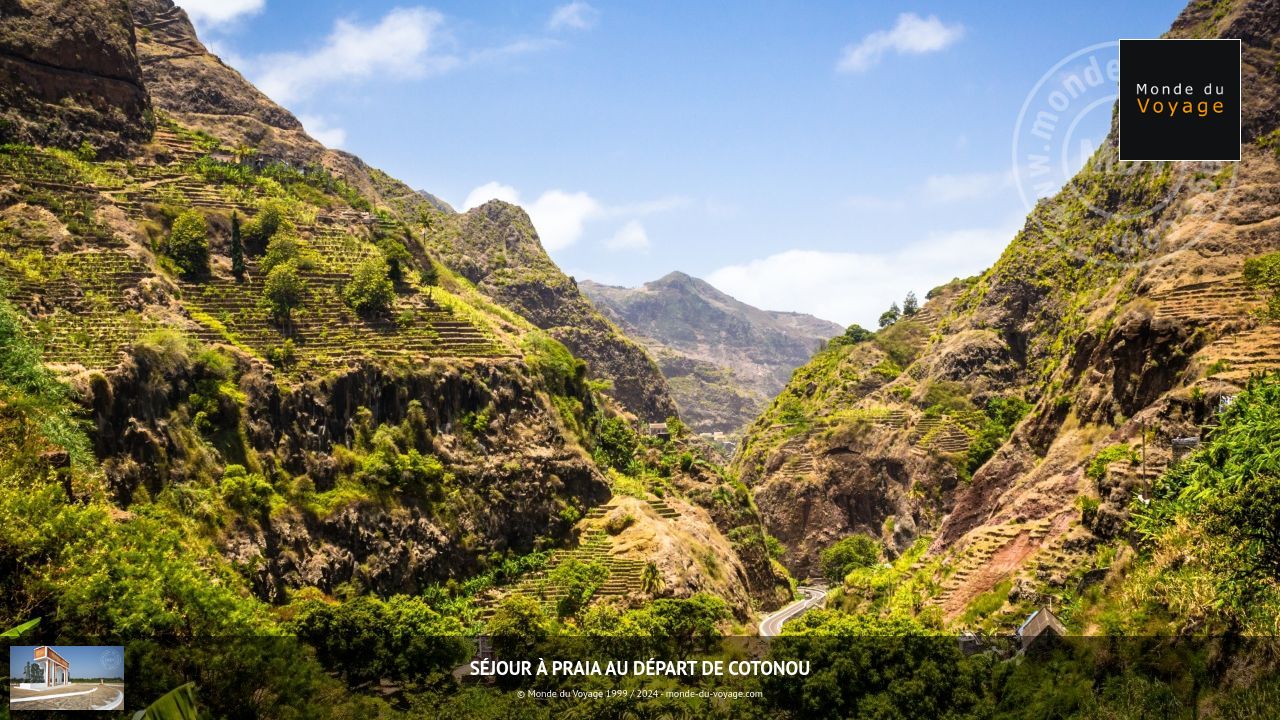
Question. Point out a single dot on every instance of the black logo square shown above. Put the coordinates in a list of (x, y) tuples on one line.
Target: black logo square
[(1179, 100)]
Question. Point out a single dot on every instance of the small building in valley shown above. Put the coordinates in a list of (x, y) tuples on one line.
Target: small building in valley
[(1040, 625)]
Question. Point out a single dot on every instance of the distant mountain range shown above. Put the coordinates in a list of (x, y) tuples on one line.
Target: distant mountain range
[(723, 358)]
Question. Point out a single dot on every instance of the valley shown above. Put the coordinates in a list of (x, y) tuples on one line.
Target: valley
[(306, 441)]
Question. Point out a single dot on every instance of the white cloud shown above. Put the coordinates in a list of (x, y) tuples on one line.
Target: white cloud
[(209, 13), (631, 236), (574, 15), (491, 191), (320, 129), (558, 216), (851, 287), (911, 35), (401, 44)]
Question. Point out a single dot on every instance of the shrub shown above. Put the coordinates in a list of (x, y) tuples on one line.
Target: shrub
[(1002, 415), (1263, 273), (188, 244), (429, 274), (263, 227), (284, 354), (86, 151), (1097, 468), (287, 247), (396, 255), (248, 493), (284, 289), (615, 443), (849, 554), (579, 580), (853, 335), (370, 289)]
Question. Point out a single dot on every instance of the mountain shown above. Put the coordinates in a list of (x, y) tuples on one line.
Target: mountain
[(245, 378), (724, 359), (201, 92), (1005, 431)]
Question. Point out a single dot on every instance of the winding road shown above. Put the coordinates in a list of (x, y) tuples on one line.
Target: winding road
[(812, 596)]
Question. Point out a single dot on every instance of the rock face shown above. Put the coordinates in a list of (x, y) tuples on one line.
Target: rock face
[(201, 91), (342, 450), (1107, 350), (723, 358), (514, 476), (69, 74), (496, 247)]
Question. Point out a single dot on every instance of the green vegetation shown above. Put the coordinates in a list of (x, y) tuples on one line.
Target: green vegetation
[(848, 554), (284, 289), (852, 335), (1263, 273), (579, 581), (1217, 506), (1002, 414), (1096, 470), (366, 639), (188, 244), (250, 493), (237, 248), (370, 290), (890, 316)]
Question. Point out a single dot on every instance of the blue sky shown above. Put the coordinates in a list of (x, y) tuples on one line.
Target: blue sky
[(821, 157), (86, 661)]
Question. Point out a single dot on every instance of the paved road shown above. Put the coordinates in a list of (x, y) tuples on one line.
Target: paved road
[(811, 596)]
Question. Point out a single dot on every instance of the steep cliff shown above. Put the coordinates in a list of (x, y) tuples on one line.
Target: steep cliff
[(268, 347), (724, 359), (69, 74), (496, 247), (1014, 418)]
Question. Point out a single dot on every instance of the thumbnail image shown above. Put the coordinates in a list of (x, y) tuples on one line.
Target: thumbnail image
[(66, 677)]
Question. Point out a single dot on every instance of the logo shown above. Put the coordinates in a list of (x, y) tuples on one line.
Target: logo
[(1179, 100), (1066, 128)]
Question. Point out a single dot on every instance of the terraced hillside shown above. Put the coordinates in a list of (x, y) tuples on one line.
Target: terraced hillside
[(95, 287), (1015, 418)]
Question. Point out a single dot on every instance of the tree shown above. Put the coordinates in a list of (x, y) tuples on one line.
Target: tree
[(853, 335), (396, 255), (651, 579), (890, 316), (1263, 273), (853, 552), (910, 306), (579, 581), (370, 289), (284, 289), (188, 244), (517, 625), (237, 248), (263, 227), (428, 274), (283, 247)]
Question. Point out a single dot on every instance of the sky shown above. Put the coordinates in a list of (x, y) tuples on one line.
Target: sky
[(86, 661), (821, 157)]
